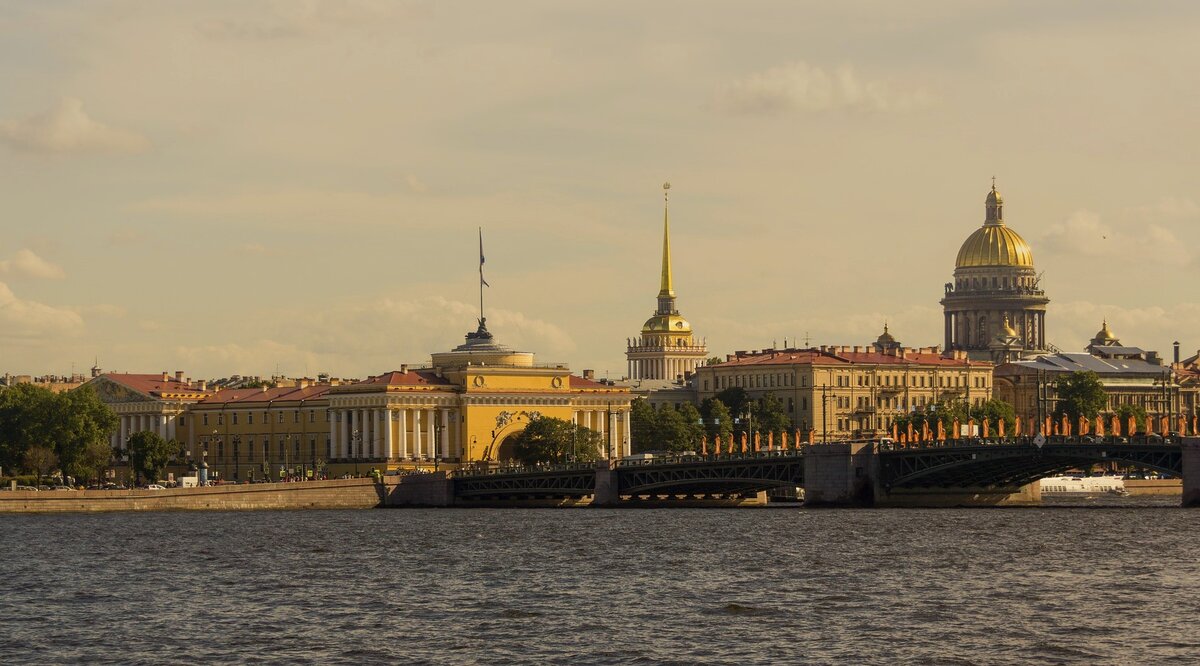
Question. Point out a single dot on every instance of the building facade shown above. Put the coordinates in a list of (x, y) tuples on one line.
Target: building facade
[(464, 407), (1130, 376), (995, 308), (850, 392), (667, 349)]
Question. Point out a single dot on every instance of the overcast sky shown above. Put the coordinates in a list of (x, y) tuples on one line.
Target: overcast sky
[(245, 187)]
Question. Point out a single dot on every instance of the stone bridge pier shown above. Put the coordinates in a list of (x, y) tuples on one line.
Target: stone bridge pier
[(1191, 471)]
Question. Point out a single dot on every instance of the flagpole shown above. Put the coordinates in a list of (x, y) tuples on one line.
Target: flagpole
[(481, 281)]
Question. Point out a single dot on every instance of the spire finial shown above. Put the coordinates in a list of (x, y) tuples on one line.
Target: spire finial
[(993, 183)]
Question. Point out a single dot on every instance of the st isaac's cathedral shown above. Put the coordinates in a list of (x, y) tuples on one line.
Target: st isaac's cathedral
[(995, 309)]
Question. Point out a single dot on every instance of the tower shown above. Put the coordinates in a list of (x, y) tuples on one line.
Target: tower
[(666, 348), (995, 305)]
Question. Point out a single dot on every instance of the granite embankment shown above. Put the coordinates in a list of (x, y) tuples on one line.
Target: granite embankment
[(328, 494), (1139, 487)]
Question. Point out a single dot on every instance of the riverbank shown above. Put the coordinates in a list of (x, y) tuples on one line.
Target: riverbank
[(1142, 487), (326, 494)]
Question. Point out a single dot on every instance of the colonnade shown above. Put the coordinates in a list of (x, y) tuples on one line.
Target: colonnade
[(418, 433), (161, 424), (613, 428), (661, 368)]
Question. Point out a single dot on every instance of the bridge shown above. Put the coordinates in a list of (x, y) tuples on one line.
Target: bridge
[(865, 473)]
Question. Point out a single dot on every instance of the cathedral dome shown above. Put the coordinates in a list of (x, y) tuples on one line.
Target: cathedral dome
[(994, 244)]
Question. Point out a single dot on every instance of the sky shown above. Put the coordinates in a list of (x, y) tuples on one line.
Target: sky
[(297, 187)]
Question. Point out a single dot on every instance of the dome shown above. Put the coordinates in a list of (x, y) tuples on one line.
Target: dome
[(994, 245), (666, 323), (1008, 330), (1105, 334)]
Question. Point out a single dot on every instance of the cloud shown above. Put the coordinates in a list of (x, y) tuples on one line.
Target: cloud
[(256, 249), (67, 129), (252, 357), (415, 184), (102, 310), (1150, 327), (27, 321), (799, 86), (1084, 233), (25, 263)]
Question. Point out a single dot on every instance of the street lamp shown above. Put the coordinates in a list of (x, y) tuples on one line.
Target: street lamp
[(356, 437)]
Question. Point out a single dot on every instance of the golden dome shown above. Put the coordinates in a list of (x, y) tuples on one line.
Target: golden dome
[(1105, 334), (1009, 331), (661, 323), (994, 245)]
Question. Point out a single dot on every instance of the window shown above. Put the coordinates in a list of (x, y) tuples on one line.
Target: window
[(206, 419), (182, 423), (249, 418), (312, 418), (296, 416), (281, 417), (220, 419), (235, 418)]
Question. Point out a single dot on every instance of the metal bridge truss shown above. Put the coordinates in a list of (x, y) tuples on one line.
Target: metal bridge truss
[(993, 466), (533, 485), (734, 476)]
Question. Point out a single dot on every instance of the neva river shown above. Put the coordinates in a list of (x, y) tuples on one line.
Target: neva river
[(1068, 584)]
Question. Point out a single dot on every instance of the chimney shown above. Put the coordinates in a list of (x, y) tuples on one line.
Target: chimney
[(202, 384), (1176, 352), (179, 375), (166, 376), (589, 374), (404, 368)]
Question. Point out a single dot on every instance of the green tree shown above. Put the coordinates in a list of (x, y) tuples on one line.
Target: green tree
[(39, 460), (735, 399), (551, 440), (717, 421), (1136, 411), (24, 410), (150, 454), (770, 416), (643, 426), (994, 411), (1080, 394), (674, 431), (693, 425), (714, 360), (80, 426)]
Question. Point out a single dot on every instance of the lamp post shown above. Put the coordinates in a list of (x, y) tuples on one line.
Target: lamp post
[(237, 462), (356, 437), (218, 441)]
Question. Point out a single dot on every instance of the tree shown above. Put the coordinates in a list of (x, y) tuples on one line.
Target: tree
[(40, 460), (24, 409), (80, 426), (717, 420), (643, 426), (550, 440), (693, 428), (994, 411), (769, 416), (1136, 411), (149, 453), (1080, 394), (714, 360), (674, 431), (735, 399)]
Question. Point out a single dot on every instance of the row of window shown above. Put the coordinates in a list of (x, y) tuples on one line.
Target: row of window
[(266, 417)]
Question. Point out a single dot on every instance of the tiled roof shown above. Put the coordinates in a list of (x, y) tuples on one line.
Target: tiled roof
[(154, 385), (1077, 361), (410, 378), (265, 395)]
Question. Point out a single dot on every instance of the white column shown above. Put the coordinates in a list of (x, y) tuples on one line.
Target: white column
[(344, 444), (333, 434), (124, 430), (387, 434), (355, 427), (403, 428), (445, 443), (611, 441), (628, 437), (416, 434), (431, 440), (368, 432)]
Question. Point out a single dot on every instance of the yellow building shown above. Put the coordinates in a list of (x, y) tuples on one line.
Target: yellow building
[(850, 392), (465, 406), (667, 349)]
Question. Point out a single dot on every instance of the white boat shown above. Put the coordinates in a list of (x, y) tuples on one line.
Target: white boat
[(1076, 484)]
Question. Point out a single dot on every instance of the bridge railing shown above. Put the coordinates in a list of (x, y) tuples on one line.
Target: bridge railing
[(520, 469), (697, 457), (1083, 440)]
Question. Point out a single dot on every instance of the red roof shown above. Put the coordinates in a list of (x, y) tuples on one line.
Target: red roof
[(410, 378), (154, 385), (584, 383)]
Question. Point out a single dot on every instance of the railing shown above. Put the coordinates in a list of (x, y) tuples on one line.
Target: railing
[(520, 469), (696, 457), (1082, 440)]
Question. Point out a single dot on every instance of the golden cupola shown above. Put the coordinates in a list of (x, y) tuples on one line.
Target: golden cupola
[(994, 244)]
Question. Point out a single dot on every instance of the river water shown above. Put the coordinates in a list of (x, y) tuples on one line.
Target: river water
[(1078, 583)]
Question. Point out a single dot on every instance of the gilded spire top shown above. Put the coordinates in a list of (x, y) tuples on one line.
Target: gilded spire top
[(666, 289)]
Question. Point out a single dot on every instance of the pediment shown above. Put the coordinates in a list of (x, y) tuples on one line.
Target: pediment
[(114, 392)]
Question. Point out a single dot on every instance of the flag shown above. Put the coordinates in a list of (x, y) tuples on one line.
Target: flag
[(481, 280)]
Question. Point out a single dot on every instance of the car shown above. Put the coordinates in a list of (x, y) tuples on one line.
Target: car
[(30, 488), (156, 486)]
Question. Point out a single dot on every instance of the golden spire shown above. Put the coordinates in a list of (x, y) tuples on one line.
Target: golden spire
[(665, 288)]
